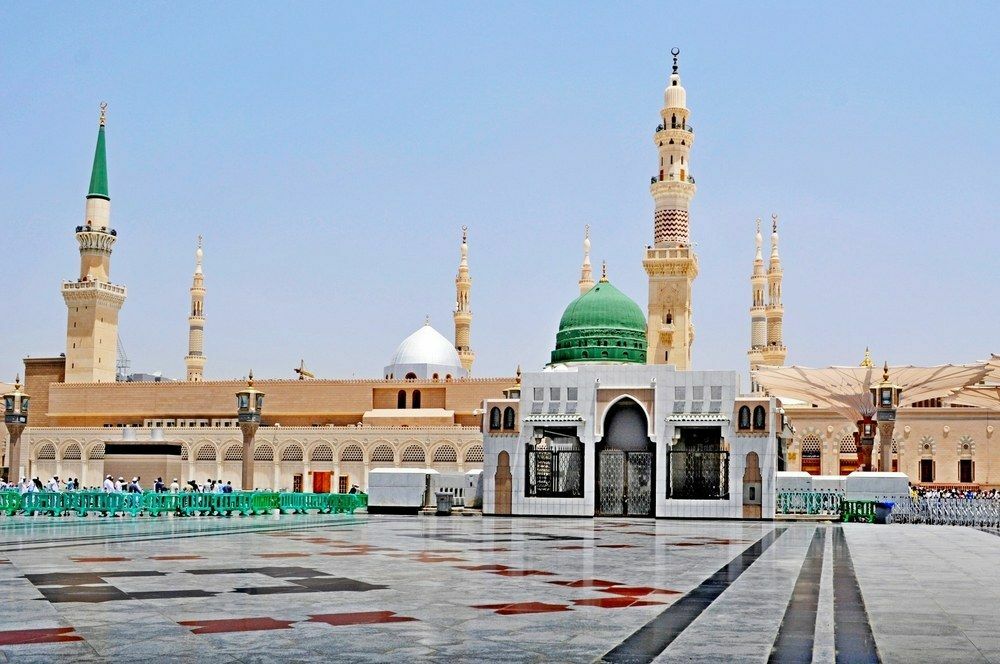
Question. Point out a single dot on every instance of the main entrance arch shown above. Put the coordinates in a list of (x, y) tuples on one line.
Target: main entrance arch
[(625, 462)]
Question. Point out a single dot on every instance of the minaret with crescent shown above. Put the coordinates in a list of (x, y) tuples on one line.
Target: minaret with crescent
[(92, 301), (670, 262), (195, 359), (463, 312)]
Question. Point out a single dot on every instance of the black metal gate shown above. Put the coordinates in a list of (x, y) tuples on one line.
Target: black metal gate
[(625, 483)]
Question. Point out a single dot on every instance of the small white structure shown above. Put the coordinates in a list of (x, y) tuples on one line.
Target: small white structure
[(425, 355), (888, 487), (399, 489)]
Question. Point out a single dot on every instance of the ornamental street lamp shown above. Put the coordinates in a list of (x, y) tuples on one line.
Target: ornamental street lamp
[(15, 417), (865, 439), (249, 403), (885, 396)]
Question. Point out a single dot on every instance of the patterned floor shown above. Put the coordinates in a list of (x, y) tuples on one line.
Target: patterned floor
[(366, 588)]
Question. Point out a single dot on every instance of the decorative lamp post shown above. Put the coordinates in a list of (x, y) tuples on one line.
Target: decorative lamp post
[(886, 398), (249, 403), (15, 416)]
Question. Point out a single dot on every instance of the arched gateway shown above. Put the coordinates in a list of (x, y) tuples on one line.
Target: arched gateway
[(625, 463)]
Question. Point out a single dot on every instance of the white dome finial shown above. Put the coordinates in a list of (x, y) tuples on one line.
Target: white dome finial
[(759, 241), (198, 255)]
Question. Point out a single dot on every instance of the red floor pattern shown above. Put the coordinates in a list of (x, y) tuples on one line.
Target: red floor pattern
[(587, 583), (235, 625), (359, 618), (20, 637), (176, 557), (282, 555), (638, 591), (614, 602), (105, 559), (518, 608)]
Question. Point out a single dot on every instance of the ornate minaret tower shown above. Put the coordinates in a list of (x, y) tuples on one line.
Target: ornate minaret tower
[(775, 351), (758, 322), (93, 302), (671, 262), (463, 314), (586, 276), (195, 359)]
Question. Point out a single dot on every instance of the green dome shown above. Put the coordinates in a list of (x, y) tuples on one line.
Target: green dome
[(602, 325)]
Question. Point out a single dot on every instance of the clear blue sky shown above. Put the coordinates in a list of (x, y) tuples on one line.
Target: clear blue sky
[(330, 153)]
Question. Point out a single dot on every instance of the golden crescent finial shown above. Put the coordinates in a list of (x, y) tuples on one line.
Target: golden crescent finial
[(250, 379), (104, 112), (465, 233)]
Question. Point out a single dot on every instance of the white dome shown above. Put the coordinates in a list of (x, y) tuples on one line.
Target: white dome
[(426, 351)]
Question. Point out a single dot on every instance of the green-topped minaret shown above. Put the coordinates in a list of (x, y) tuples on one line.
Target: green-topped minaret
[(93, 302), (602, 325), (99, 173)]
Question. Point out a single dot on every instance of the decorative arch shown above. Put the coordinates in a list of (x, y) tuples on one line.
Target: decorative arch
[(966, 447), (495, 418), (744, 417), (509, 418), (474, 454), (414, 454), (71, 452), (812, 446), (233, 453), (415, 399), (45, 452), (927, 446), (614, 402), (352, 452), (401, 399), (206, 452), (759, 418), (383, 454), (321, 452), (292, 452), (96, 451), (445, 453), (617, 409), (263, 452)]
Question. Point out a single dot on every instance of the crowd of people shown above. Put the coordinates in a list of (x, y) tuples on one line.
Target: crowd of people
[(954, 493), (111, 485)]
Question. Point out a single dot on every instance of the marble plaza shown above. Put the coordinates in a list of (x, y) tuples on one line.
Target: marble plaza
[(377, 588)]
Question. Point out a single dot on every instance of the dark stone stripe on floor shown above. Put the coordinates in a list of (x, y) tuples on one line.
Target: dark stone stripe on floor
[(798, 627), (646, 643), (852, 632)]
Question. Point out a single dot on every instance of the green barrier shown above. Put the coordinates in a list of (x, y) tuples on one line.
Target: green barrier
[(10, 502), (243, 503), (858, 511)]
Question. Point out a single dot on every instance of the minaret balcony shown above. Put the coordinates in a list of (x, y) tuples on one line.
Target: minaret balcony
[(677, 127), (668, 186), (91, 239)]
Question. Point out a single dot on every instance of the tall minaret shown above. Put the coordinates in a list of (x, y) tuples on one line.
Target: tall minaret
[(463, 314), (758, 322), (92, 301), (775, 351), (671, 263), (195, 359), (586, 276)]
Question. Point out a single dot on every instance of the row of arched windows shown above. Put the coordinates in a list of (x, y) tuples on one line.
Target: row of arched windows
[(758, 422), (508, 421), (401, 399)]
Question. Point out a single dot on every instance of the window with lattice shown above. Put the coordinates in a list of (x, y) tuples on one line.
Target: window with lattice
[(292, 453), (445, 454), (352, 453), (234, 453), (811, 446), (184, 453), (263, 453), (97, 452), (848, 445), (414, 454), (322, 453), (72, 452), (46, 452), (474, 454), (205, 453), (383, 454)]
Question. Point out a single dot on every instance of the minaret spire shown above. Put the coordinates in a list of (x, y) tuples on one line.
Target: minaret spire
[(586, 275), (463, 312), (670, 262), (758, 317), (92, 301), (195, 359), (775, 352)]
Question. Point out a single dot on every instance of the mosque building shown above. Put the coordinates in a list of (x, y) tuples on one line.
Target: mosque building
[(618, 422)]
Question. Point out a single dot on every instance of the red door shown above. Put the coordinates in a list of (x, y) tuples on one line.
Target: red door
[(321, 481)]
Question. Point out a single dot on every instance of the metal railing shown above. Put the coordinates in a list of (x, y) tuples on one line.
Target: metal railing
[(670, 178), (809, 503), (974, 512), (187, 503), (686, 127)]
